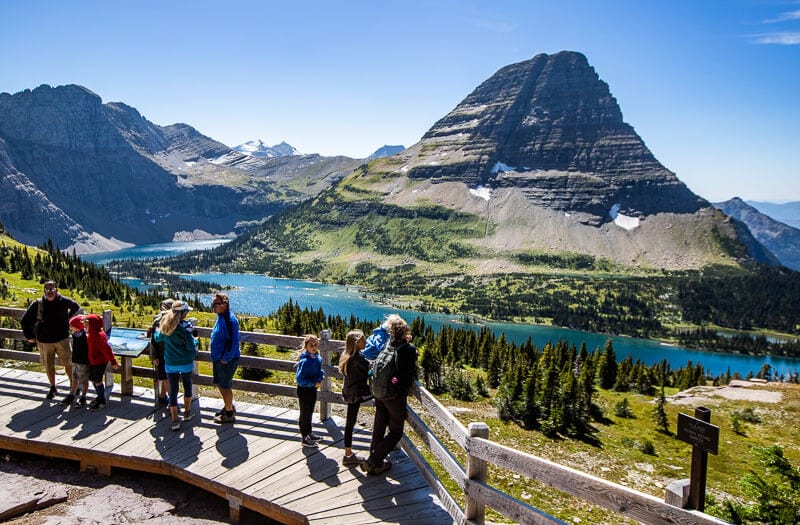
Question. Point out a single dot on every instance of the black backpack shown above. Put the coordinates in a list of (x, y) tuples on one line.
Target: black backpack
[(384, 371)]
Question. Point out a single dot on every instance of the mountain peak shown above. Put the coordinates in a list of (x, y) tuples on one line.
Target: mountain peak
[(257, 148), (386, 151), (556, 126)]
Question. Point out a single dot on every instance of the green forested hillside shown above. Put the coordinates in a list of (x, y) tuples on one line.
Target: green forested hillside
[(418, 257)]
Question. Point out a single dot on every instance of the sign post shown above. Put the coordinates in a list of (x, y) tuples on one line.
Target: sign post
[(704, 438)]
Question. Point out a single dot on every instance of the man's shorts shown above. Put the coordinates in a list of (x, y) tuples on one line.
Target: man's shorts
[(48, 351), (80, 373), (97, 373), (223, 374)]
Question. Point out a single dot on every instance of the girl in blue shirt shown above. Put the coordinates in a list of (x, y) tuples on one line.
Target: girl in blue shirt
[(309, 375)]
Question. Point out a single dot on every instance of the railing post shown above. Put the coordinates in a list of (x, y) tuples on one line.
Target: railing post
[(324, 406), (475, 512)]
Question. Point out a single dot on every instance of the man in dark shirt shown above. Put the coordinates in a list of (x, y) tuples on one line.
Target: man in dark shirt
[(390, 413), (47, 324)]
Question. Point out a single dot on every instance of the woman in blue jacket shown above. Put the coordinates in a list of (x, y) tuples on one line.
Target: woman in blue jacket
[(309, 375), (224, 354)]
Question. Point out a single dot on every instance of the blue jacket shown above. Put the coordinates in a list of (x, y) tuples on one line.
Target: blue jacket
[(223, 333), (375, 343), (309, 370)]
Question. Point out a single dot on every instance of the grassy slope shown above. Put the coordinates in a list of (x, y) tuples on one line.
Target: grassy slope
[(617, 458)]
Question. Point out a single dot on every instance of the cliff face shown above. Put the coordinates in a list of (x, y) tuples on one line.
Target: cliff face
[(550, 127), (97, 175)]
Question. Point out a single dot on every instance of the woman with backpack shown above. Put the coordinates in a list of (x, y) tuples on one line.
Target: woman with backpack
[(394, 371), (355, 390), (180, 348)]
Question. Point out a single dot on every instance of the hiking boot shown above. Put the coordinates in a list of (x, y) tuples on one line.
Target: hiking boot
[(69, 399), (372, 470), (353, 460), (314, 437), (81, 402), (308, 442), (97, 404), (51, 393), (224, 417)]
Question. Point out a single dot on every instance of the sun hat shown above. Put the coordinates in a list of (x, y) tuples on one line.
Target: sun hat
[(181, 306)]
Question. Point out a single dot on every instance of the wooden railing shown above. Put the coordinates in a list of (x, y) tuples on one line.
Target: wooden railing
[(474, 440)]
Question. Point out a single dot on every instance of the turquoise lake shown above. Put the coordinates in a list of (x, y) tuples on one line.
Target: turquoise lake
[(262, 295)]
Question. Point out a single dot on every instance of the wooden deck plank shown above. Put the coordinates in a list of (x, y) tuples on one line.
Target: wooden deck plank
[(259, 458), (209, 434), (234, 445), (341, 484)]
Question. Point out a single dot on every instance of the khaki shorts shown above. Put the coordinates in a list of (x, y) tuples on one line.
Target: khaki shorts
[(80, 373), (48, 351)]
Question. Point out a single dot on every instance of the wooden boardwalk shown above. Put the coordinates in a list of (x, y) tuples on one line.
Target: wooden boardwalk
[(257, 463)]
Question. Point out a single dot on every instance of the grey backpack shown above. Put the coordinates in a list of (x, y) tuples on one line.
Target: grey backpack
[(384, 373)]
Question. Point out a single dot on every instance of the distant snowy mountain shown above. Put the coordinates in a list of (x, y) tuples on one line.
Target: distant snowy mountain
[(386, 151), (257, 148)]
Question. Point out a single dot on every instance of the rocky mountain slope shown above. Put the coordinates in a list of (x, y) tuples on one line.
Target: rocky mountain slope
[(787, 212), (99, 176), (781, 240), (537, 159)]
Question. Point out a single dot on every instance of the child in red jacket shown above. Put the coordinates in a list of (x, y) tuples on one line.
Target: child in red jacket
[(100, 355)]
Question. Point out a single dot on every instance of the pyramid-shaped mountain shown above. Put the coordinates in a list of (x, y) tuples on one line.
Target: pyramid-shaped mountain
[(551, 126), (537, 159)]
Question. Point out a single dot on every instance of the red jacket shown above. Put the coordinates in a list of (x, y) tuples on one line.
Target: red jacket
[(99, 350)]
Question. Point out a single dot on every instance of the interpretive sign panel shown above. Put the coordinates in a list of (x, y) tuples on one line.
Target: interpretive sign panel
[(128, 342), (698, 433)]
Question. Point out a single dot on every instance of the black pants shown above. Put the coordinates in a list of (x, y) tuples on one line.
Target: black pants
[(350, 423), (175, 379), (389, 413), (307, 396)]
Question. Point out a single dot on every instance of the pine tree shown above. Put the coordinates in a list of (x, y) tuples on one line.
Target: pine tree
[(608, 367), (660, 414)]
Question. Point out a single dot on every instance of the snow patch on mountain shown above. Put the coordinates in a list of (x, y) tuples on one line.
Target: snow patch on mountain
[(623, 221)]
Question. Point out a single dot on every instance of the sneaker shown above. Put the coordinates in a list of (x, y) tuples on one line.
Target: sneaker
[(176, 425), (97, 404), (352, 460), (187, 415), (308, 442), (225, 417), (81, 402), (51, 393), (315, 437), (69, 399)]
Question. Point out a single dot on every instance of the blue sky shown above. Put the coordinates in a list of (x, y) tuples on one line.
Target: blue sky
[(713, 87)]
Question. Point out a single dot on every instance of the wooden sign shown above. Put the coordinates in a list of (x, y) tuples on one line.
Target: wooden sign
[(698, 433)]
